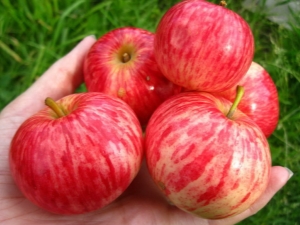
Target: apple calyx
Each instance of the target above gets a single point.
(223, 3)
(59, 111)
(126, 57)
(239, 94)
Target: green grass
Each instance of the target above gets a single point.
(34, 34)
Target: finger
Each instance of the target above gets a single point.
(278, 178)
(61, 79)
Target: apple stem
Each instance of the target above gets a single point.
(239, 94)
(55, 107)
(223, 3)
(125, 57)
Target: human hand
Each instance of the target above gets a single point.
(142, 203)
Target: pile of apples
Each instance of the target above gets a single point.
(188, 97)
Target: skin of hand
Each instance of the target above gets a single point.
(141, 203)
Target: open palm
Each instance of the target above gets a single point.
(141, 203)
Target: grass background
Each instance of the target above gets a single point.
(34, 34)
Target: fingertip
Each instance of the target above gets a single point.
(88, 40)
(81, 49)
(279, 177)
(92, 37)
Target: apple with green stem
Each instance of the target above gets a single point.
(78, 154)
(207, 157)
(121, 63)
(203, 46)
(260, 101)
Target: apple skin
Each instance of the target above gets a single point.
(260, 101)
(80, 162)
(138, 82)
(205, 163)
(203, 46)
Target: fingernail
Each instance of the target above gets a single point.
(290, 172)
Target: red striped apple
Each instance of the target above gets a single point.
(260, 101)
(207, 161)
(77, 155)
(121, 63)
(203, 46)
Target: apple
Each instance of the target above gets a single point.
(121, 63)
(260, 101)
(203, 46)
(206, 158)
(77, 155)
